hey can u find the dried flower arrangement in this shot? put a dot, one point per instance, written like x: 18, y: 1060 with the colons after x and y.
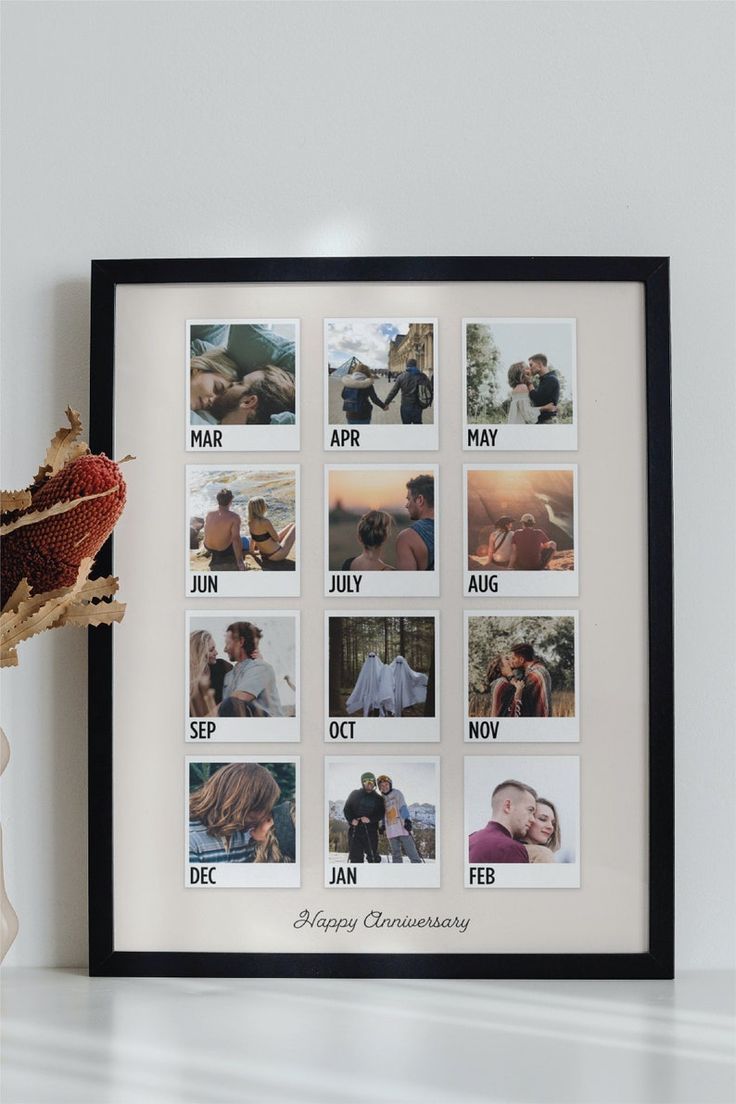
x: 49, y: 535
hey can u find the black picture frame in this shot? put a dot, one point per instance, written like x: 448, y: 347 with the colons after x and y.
x: 658, y: 960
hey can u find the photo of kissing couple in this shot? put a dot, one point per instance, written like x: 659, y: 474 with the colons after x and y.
x: 520, y: 372
x: 521, y: 666
x: 243, y: 374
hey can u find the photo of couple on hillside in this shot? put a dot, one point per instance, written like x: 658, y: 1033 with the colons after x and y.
x: 520, y: 520
x: 381, y: 519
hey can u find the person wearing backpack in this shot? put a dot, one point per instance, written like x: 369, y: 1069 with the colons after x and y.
x: 356, y: 400
x: 416, y: 393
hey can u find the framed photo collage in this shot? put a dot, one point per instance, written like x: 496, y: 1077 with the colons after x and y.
x: 397, y: 562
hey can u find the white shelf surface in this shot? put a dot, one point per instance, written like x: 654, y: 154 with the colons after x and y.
x: 70, y: 1038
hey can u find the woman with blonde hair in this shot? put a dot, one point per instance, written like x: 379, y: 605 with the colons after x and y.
x: 374, y: 529
x: 206, y: 674
x: 230, y: 815
x: 543, y: 837
x: 210, y: 376
x: 272, y: 545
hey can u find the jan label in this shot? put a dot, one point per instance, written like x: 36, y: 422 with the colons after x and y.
x: 340, y: 875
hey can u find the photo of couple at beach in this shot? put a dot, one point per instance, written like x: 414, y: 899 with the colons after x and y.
x: 521, y: 373
x: 243, y: 521
x: 243, y: 379
x: 522, y: 816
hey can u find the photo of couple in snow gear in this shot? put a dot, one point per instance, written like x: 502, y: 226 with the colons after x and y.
x: 378, y: 809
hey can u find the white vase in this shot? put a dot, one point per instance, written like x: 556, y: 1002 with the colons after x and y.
x: 8, y: 916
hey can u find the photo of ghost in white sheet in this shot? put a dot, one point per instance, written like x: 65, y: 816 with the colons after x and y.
x: 373, y: 691
x: 410, y: 687
x: 381, y: 668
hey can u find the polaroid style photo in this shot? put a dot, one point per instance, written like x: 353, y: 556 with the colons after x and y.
x: 522, y: 822
x: 521, y: 677
x: 244, y: 531
x: 521, y: 525
x: 380, y: 384
x: 382, y: 822
x: 520, y: 384
x: 242, y: 676
x: 242, y: 385
x: 241, y: 820
x: 381, y: 678
x: 380, y: 530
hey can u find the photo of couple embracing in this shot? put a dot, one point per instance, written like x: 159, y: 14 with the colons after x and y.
x: 521, y: 666
x: 507, y: 382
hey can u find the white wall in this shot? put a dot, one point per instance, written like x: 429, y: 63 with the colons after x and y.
x: 246, y: 129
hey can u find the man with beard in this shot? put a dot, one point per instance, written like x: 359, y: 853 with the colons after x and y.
x: 415, y: 545
x: 547, y: 391
x: 249, y: 690
x: 536, y: 694
x: 363, y: 810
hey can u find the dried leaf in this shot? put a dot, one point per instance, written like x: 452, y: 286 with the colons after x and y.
x: 85, y: 603
x: 127, y: 458
x: 30, y: 618
x: 98, y: 588
x: 40, y: 477
x: 63, y: 448
x: 21, y: 593
x: 80, y: 614
x: 14, y: 500
x: 27, y: 607
x: 57, y: 508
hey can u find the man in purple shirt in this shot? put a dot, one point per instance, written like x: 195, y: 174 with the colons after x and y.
x: 512, y: 812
